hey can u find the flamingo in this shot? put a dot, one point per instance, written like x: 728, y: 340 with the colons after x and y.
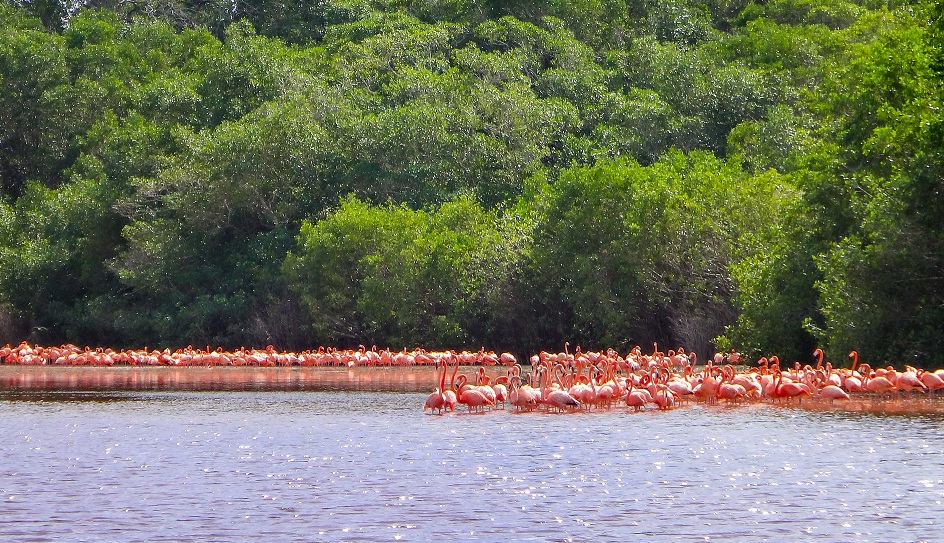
x: 752, y: 388
x: 482, y: 385
x: 818, y: 353
x: 707, y: 390
x: 609, y: 390
x: 507, y: 359
x: 584, y: 392
x: 449, y: 394
x: 833, y: 393
x: 470, y: 396
x: 437, y: 398
x: 637, y: 398
x: 557, y: 398
x: 501, y: 390
x: 681, y: 387
x: 931, y: 380
x: 518, y: 397
x: 908, y: 381
x: 789, y: 389
x: 877, y: 384
x: 665, y: 398
x: 730, y: 391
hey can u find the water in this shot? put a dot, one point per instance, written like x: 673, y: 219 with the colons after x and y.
x: 279, y: 466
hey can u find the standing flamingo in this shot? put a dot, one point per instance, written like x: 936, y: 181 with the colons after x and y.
x: 437, y: 398
x: 520, y: 398
x: 788, y: 389
x: 876, y: 384
x: 637, y: 398
x: 450, y: 394
x: 557, y: 398
x: 471, y: 396
x: 483, y: 386
x: 727, y: 389
x: 931, y: 380
x: 833, y: 393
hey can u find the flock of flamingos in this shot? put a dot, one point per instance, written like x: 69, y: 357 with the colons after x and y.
x: 566, y: 382
x: 563, y: 382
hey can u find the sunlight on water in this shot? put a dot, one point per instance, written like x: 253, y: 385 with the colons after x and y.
x: 357, y: 466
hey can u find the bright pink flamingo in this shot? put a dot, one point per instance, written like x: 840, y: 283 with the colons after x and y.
x: 471, y: 396
x: 789, y: 389
x: 818, y: 353
x: 833, y: 393
x: 680, y: 385
x: 483, y: 386
x: 851, y: 380
x: 749, y: 382
x: 520, y: 398
x: 637, y: 398
x: 450, y: 393
x: 931, y: 380
x: 661, y: 394
x: 583, y: 389
x: 437, y: 399
x: 608, y: 390
x: 557, y: 398
x: 707, y: 390
x: 825, y: 388
x: 727, y: 390
x: 876, y: 384
x: 908, y: 381
x: 501, y: 390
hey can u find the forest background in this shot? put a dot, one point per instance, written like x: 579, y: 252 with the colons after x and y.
x: 750, y: 174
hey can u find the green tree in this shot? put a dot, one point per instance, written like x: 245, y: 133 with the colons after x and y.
x: 368, y: 273
x: 648, y: 254
x: 880, y: 290
x: 32, y: 72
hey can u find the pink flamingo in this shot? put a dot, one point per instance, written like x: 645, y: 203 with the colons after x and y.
x: 470, y: 396
x: 449, y: 394
x: 583, y: 389
x: 680, y: 384
x: 789, y: 389
x: 908, y: 381
x: 557, y: 398
x: 852, y: 380
x: 507, y: 359
x: 520, y: 398
x: 609, y: 390
x: 707, y: 390
x: 501, y: 389
x: 728, y: 390
x: 931, y: 380
x: 665, y: 398
x: 818, y: 353
x: 637, y: 398
x: 877, y: 384
x: 437, y: 399
x: 833, y: 393
x: 482, y: 385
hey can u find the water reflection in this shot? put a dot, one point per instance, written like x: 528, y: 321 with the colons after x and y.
x: 415, y: 379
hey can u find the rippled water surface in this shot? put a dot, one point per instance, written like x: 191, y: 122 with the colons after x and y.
x: 370, y: 466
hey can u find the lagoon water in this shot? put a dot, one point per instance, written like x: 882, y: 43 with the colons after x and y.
x: 305, y: 465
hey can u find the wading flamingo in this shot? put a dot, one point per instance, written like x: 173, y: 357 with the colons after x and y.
x: 437, y: 399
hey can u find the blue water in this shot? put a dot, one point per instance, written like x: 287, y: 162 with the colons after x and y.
x: 361, y: 466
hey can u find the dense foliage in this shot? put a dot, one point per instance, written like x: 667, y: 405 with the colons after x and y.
x: 759, y: 175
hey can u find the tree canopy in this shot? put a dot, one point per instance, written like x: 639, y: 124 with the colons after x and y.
x: 764, y: 176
